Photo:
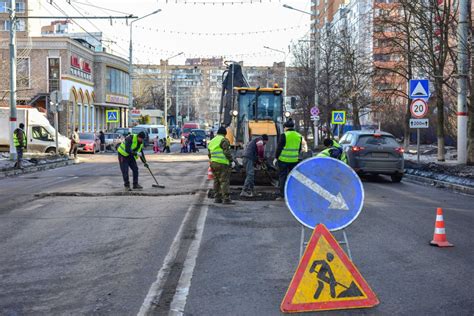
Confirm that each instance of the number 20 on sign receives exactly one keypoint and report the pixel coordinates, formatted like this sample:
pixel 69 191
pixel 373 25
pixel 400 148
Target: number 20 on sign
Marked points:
pixel 419 108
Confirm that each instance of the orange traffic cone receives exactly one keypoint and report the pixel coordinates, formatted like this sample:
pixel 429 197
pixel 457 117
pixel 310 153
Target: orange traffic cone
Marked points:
pixel 210 175
pixel 439 238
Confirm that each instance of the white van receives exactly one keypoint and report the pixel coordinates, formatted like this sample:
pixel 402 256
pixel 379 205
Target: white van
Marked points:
pixel 39 132
pixel 154 131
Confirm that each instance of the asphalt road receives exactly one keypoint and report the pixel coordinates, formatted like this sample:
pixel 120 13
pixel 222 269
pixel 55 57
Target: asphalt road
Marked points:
pixel 70 243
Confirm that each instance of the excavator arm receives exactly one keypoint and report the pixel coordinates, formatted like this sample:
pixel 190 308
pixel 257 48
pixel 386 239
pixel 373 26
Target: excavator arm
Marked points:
pixel 232 77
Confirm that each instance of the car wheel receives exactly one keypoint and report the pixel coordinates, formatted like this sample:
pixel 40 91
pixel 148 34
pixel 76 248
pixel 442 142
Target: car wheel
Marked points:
pixel 396 178
pixel 51 151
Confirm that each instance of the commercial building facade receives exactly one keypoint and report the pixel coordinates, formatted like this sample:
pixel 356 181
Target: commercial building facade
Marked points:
pixel 89 82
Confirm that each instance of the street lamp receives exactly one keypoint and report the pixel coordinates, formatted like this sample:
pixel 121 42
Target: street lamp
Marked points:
pixel 316 59
pixel 285 78
pixel 130 63
pixel 166 91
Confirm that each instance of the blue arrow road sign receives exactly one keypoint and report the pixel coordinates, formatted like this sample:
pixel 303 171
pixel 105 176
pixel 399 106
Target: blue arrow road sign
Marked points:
pixel 324 191
pixel 419 89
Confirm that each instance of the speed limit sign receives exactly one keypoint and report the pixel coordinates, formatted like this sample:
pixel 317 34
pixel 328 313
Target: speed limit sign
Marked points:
pixel 419 108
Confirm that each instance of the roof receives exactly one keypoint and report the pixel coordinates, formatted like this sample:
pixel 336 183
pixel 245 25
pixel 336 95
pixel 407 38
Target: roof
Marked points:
pixel 261 89
pixel 369 132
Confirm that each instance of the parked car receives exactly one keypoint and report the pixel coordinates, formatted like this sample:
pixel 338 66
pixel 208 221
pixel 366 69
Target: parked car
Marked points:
pixel 374 152
pixel 187 127
pixel 201 137
pixel 88 142
pixel 112 140
pixel 125 131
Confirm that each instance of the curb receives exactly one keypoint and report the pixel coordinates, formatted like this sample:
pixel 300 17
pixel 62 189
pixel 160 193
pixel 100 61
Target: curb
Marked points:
pixel 47 166
pixel 439 184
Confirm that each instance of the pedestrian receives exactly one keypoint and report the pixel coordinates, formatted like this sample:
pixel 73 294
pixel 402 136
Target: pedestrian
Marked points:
pixel 167 144
pixel 211 134
pixel 333 150
pixel 128 153
pixel 287 153
pixel 156 145
pixel 102 141
pixel 254 154
pixel 192 142
pixel 221 157
pixel 178 132
pixel 184 146
pixel 20 143
pixel 74 143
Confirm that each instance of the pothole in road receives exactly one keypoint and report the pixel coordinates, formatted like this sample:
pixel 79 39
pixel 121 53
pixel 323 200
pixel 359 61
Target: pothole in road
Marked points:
pixel 263 194
pixel 117 193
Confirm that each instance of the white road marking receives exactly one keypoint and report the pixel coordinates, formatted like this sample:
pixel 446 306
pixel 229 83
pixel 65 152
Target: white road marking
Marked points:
pixel 337 202
pixel 156 289
pixel 179 300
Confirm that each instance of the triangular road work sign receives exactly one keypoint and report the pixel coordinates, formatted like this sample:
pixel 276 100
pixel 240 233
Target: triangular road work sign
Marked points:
pixel 420 91
pixel 326 279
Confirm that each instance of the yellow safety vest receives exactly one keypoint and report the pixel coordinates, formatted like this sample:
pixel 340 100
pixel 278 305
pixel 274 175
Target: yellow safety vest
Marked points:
pixel 135 147
pixel 291 151
pixel 16 141
pixel 217 153
pixel 327 152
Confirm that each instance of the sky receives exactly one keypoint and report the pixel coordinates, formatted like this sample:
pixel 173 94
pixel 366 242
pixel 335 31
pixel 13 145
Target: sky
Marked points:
pixel 192 27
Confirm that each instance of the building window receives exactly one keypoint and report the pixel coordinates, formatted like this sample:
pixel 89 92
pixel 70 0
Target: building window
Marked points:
pixel 20 25
pixel 20 6
pixel 53 74
pixel 23 73
pixel 117 81
pixel 4 6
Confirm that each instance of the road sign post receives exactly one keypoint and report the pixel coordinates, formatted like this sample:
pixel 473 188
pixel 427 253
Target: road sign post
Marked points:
pixel 326 279
pixel 338 118
pixel 315 194
pixel 418 109
pixel 315 118
pixel 55 99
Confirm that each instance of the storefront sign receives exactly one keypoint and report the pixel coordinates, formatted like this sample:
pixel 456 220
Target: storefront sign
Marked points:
pixel 81 68
pixel 110 98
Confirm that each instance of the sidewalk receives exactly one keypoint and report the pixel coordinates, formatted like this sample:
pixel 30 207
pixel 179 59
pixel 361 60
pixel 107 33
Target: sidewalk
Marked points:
pixel 32 164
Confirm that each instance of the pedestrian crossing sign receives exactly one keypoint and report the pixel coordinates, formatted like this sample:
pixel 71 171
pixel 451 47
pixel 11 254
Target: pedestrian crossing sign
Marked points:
pixel 338 117
pixel 112 116
pixel 326 279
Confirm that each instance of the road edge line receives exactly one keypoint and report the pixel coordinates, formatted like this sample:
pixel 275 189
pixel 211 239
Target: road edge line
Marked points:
pixel 156 288
pixel 179 301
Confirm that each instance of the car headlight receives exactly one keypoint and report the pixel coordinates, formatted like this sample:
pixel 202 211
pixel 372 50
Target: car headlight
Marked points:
pixel 234 113
pixel 287 114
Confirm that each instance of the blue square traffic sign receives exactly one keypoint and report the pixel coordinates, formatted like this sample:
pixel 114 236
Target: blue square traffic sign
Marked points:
pixel 419 89
pixel 112 116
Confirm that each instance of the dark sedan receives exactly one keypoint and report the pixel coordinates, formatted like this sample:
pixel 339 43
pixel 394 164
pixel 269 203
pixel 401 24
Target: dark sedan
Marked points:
pixel 201 137
pixel 374 152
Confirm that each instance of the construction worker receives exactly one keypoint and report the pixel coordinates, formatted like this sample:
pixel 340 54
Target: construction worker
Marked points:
pixel 333 150
pixel 221 157
pixel 254 154
pixel 167 144
pixel 128 152
pixel 19 141
pixel 287 153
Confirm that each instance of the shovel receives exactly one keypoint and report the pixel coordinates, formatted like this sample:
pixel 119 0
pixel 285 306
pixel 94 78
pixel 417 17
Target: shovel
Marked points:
pixel 157 185
pixel 272 181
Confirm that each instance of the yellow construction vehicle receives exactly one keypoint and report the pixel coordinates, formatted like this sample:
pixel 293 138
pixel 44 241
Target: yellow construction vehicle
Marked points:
pixel 249 112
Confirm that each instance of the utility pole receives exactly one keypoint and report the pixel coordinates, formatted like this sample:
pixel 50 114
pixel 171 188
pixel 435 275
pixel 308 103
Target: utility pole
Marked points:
pixel 463 30
pixel 130 65
pixel 12 77
pixel 166 92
